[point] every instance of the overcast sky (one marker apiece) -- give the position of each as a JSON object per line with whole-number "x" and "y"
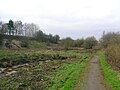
{"x": 74, "y": 18}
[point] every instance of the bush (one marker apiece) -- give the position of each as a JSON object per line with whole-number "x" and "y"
{"x": 67, "y": 43}
{"x": 90, "y": 42}
{"x": 78, "y": 43}
{"x": 25, "y": 44}
{"x": 110, "y": 38}
{"x": 113, "y": 55}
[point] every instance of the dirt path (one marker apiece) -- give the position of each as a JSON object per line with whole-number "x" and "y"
{"x": 93, "y": 79}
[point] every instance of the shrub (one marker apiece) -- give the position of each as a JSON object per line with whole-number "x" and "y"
{"x": 25, "y": 44}
{"x": 113, "y": 55}
{"x": 90, "y": 42}
{"x": 110, "y": 38}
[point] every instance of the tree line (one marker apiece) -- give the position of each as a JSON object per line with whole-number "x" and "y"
{"x": 17, "y": 28}
{"x": 33, "y": 30}
{"x": 88, "y": 43}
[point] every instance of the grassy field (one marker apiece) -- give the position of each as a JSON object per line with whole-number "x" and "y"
{"x": 46, "y": 70}
{"x": 66, "y": 76}
{"x": 111, "y": 77}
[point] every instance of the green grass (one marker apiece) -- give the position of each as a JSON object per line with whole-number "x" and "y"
{"x": 3, "y": 54}
{"x": 36, "y": 45}
{"x": 111, "y": 76}
{"x": 67, "y": 76}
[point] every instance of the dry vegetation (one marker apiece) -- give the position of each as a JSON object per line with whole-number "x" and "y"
{"x": 47, "y": 70}
{"x": 111, "y": 42}
{"x": 113, "y": 56}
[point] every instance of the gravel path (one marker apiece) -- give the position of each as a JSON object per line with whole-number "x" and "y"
{"x": 95, "y": 79}
{"x": 92, "y": 78}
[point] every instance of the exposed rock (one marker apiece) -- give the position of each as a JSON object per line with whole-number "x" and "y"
{"x": 12, "y": 72}
{"x": 11, "y": 44}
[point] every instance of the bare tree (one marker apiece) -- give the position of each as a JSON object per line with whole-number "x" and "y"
{"x": 4, "y": 29}
{"x": 30, "y": 29}
{"x": 18, "y": 28}
{"x": 0, "y": 26}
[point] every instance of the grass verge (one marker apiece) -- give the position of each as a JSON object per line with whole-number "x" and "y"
{"x": 111, "y": 76}
{"x": 66, "y": 77}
